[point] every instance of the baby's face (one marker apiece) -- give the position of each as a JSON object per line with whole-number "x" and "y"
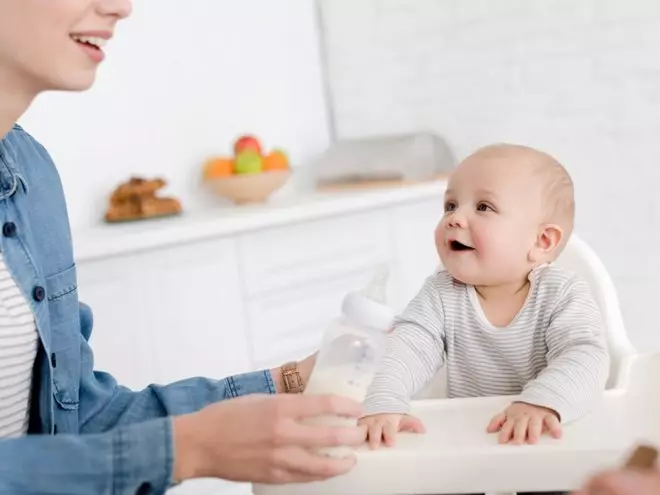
{"x": 493, "y": 212}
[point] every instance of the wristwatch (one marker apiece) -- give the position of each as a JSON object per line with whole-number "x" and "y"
{"x": 293, "y": 381}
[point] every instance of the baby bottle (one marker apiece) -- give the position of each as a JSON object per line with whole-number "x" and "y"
{"x": 351, "y": 351}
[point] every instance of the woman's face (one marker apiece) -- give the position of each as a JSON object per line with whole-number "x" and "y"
{"x": 55, "y": 44}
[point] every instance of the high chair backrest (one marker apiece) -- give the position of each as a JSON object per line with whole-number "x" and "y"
{"x": 581, "y": 259}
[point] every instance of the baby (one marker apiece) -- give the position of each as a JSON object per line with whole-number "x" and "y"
{"x": 501, "y": 316}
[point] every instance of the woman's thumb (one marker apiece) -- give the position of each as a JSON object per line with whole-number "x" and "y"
{"x": 626, "y": 482}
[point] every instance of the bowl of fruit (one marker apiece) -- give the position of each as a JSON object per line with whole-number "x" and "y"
{"x": 249, "y": 175}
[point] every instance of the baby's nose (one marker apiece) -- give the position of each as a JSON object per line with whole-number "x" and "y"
{"x": 457, "y": 220}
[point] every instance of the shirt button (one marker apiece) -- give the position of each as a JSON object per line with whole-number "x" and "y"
{"x": 144, "y": 489}
{"x": 9, "y": 229}
{"x": 38, "y": 293}
{"x": 53, "y": 360}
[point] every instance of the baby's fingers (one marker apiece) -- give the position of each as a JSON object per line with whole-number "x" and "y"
{"x": 389, "y": 433}
{"x": 375, "y": 435}
{"x": 411, "y": 424}
{"x": 506, "y": 431}
{"x": 553, "y": 425}
{"x": 520, "y": 430}
{"x": 496, "y": 423}
{"x": 535, "y": 429}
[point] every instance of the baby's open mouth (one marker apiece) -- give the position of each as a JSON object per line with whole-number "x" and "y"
{"x": 459, "y": 246}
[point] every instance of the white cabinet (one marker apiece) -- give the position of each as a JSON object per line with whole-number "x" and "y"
{"x": 121, "y": 337}
{"x": 285, "y": 256}
{"x": 168, "y": 314}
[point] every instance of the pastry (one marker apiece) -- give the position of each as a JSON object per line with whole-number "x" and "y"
{"x": 136, "y": 199}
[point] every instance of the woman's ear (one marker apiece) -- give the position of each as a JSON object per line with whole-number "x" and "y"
{"x": 547, "y": 242}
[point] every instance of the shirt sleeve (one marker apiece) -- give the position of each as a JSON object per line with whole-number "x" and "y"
{"x": 573, "y": 382}
{"x": 415, "y": 353}
{"x": 125, "y": 461}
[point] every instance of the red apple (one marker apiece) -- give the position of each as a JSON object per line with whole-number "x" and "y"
{"x": 247, "y": 143}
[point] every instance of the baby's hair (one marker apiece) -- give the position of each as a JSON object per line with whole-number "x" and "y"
{"x": 558, "y": 189}
{"x": 558, "y": 196}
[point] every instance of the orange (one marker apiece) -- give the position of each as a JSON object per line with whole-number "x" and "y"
{"x": 218, "y": 167}
{"x": 276, "y": 160}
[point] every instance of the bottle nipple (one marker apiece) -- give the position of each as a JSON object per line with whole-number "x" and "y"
{"x": 376, "y": 289}
{"x": 369, "y": 305}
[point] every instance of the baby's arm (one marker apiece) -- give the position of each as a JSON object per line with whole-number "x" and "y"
{"x": 415, "y": 352}
{"x": 578, "y": 361}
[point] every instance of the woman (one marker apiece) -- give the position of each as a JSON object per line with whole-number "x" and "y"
{"x": 66, "y": 428}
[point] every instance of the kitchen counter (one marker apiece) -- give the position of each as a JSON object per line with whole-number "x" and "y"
{"x": 107, "y": 240}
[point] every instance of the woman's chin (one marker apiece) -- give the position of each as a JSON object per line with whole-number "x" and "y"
{"x": 80, "y": 80}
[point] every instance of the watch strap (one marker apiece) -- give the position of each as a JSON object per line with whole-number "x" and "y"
{"x": 291, "y": 378}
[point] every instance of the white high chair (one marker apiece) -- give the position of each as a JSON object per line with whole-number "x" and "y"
{"x": 581, "y": 259}
{"x": 457, "y": 456}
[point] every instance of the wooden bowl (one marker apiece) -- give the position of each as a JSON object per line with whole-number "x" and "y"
{"x": 249, "y": 188}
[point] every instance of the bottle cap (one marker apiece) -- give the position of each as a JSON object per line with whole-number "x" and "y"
{"x": 368, "y": 307}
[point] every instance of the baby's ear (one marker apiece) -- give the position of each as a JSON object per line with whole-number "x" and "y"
{"x": 547, "y": 243}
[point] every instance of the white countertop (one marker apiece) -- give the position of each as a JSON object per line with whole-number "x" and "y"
{"x": 107, "y": 240}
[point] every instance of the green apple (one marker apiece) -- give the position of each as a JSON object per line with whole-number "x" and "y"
{"x": 248, "y": 162}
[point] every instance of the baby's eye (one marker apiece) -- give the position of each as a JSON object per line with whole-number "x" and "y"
{"x": 450, "y": 206}
{"x": 484, "y": 207}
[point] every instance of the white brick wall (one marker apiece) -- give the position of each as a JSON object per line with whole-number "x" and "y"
{"x": 578, "y": 78}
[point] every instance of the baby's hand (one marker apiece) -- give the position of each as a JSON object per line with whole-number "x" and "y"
{"x": 522, "y": 422}
{"x": 385, "y": 427}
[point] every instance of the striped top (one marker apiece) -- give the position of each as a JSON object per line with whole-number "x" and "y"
{"x": 553, "y": 353}
{"x": 18, "y": 350}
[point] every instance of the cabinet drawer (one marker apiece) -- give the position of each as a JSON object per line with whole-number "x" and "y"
{"x": 287, "y": 256}
{"x": 291, "y": 323}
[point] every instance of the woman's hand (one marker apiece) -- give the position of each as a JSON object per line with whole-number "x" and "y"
{"x": 264, "y": 439}
{"x": 623, "y": 482}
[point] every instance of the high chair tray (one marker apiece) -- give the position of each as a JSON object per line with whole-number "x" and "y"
{"x": 456, "y": 455}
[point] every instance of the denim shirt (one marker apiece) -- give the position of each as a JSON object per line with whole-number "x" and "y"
{"x": 88, "y": 434}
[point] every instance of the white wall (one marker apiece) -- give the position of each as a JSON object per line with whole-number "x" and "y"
{"x": 579, "y": 78}
{"x": 182, "y": 79}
